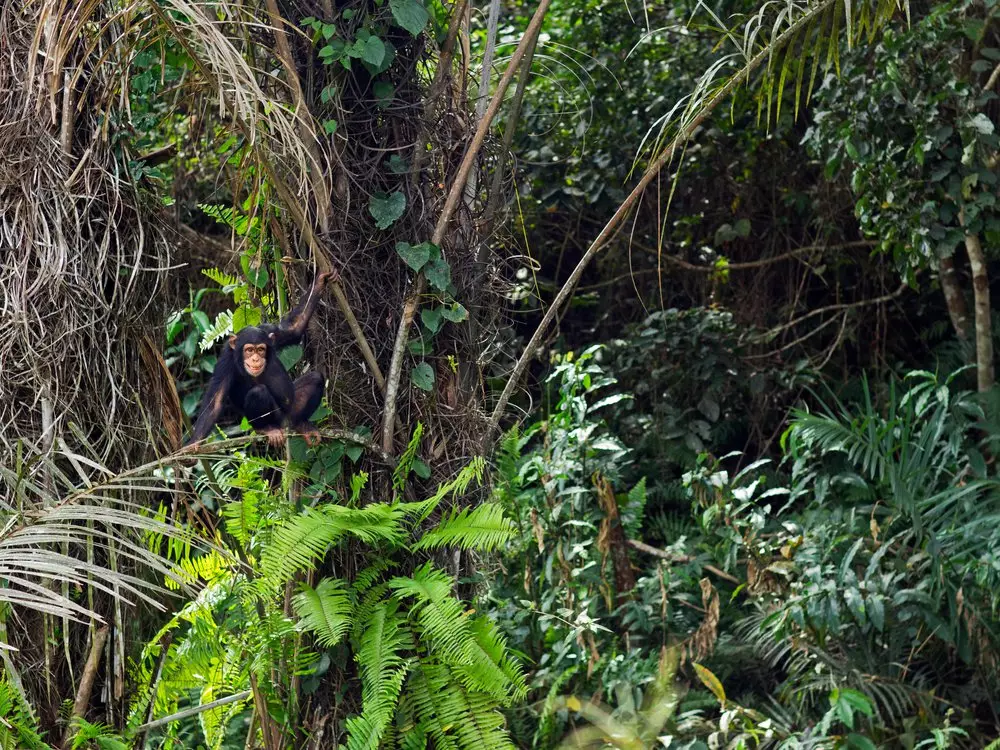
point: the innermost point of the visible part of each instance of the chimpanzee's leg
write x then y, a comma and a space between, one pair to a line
308, 394
260, 408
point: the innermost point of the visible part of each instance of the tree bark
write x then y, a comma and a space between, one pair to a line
981, 296
953, 297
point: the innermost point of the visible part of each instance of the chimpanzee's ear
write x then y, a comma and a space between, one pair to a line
232, 342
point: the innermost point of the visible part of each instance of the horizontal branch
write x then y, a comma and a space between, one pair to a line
664, 555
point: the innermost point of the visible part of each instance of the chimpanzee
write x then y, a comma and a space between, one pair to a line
250, 377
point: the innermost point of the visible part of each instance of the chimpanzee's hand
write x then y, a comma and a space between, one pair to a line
325, 278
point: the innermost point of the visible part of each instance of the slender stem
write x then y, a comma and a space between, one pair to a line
195, 711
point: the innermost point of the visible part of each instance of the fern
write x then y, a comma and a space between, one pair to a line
242, 516
402, 469
17, 726
301, 542
222, 279
325, 610
383, 670
484, 528
222, 326
475, 652
457, 486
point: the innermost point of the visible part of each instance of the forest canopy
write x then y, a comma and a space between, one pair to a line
438, 374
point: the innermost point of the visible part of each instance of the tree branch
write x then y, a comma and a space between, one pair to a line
664, 555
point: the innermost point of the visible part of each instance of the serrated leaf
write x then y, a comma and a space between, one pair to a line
415, 256
386, 209
423, 376
438, 273
432, 318
456, 313
409, 14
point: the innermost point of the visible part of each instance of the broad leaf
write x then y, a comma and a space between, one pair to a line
409, 14
423, 376
386, 209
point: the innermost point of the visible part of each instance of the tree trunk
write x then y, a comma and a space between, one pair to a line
953, 297
984, 328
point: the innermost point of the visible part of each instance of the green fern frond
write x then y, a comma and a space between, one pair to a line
373, 523
242, 517
402, 470
383, 671
207, 567
421, 509
222, 279
222, 327
453, 716
301, 542
17, 728
484, 528
325, 610
364, 579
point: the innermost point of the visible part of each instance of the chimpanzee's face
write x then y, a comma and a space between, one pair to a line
254, 358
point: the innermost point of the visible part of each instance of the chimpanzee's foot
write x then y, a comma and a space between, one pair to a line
309, 433
275, 436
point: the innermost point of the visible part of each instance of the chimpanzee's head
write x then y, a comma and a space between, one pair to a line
253, 349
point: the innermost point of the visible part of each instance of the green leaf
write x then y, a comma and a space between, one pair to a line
353, 451
423, 376
245, 316
421, 469
386, 209
201, 320
397, 164
456, 313
982, 123
438, 273
409, 14
384, 92
419, 346
373, 51
432, 318
328, 94
415, 256
290, 356
742, 227
330, 126
256, 273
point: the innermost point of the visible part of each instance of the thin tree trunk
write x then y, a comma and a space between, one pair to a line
953, 297
981, 296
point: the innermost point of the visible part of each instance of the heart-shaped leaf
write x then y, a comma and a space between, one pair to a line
438, 273
432, 318
423, 376
386, 209
415, 256
456, 313
410, 14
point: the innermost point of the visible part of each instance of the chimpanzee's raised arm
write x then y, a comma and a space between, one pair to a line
215, 395
293, 325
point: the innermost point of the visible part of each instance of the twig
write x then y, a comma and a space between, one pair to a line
194, 711
451, 203
759, 263
664, 555
772, 332
625, 208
